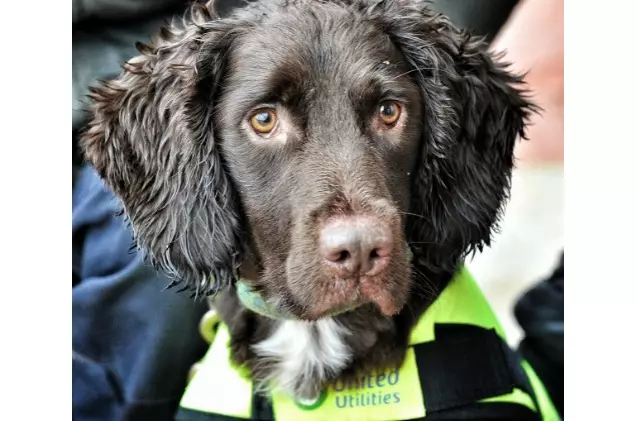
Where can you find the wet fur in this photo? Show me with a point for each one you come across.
(203, 205)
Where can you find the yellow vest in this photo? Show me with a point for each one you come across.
(219, 387)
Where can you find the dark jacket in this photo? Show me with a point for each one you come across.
(133, 344)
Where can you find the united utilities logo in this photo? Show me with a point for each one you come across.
(368, 391)
(375, 396)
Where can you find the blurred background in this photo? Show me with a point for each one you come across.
(529, 245)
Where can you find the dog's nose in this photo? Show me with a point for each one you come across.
(356, 246)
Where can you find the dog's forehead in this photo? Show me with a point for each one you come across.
(327, 44)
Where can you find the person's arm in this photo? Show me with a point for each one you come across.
(533, 39)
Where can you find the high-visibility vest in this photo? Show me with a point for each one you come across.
(457, 356)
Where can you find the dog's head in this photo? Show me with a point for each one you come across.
(315, 141)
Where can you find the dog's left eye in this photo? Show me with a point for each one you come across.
(263, 121)
(389, 112)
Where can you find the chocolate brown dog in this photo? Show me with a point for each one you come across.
(341, 156)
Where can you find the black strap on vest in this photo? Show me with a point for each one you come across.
(465, 364)
(261, 409)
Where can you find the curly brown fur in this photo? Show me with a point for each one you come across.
(168, 137)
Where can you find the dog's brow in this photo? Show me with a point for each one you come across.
(378, 88)
(284, 83)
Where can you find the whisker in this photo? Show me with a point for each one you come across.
(426, 286)
(412, 214)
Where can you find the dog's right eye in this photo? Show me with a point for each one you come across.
(389, 112)
(263, 121)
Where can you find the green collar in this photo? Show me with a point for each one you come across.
(252, 300)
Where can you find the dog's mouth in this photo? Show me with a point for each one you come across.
(329, 297)
(344, 295)
(303, 287)
(350, 295)
(336, 310)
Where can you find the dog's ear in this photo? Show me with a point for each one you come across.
(151, 138)
(475, 110)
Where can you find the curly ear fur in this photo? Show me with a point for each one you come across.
(475, 110)
(151, 139)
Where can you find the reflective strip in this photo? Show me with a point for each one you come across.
(218, 386)
(547, 408)
(517, 396)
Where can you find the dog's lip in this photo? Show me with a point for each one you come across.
(367, 290)
(384, 302)
(336, 311)
(354, 293)
(379, 296)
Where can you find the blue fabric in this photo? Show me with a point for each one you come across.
(133, 343)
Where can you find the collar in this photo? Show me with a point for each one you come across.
(252, 300)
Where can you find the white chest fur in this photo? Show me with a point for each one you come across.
(304, 353)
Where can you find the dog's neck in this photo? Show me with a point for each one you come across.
(305, 355)
(307, 352)
(301, 357)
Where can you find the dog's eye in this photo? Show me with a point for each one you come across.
(389, 112)
(263, 121)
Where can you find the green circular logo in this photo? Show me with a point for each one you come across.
(308, 405)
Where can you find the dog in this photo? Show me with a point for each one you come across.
(341, 156)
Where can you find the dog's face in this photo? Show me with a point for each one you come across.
(320, 135)
(325, 138)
